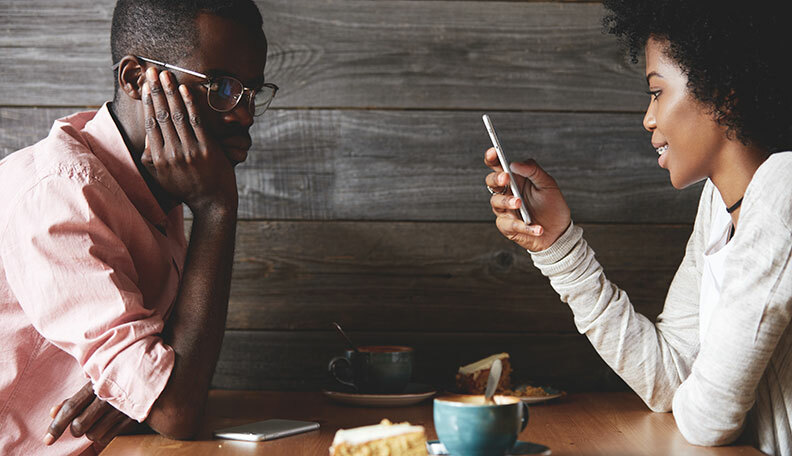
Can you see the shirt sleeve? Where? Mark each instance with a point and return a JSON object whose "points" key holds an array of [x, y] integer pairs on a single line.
{"points": [[653, 358], [753, 313], [68, 267]]}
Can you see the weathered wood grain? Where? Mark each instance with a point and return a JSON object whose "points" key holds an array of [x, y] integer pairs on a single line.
{"points": [[356, 54], [427, 276], [297, 360], [428, 165]]}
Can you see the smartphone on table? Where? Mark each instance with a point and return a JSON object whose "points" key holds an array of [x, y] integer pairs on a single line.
{"points": [[266, 430], [505, 165]]}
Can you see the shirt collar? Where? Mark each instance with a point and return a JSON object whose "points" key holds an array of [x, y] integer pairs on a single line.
{"points": [[108, 145]]}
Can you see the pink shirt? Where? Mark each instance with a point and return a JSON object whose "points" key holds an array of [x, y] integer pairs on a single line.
{"points": [[90, 267]]}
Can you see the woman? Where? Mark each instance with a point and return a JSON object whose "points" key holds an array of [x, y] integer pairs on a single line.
{"points": [[720, 354]]}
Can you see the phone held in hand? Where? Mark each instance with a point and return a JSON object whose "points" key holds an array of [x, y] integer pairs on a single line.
{"points": [[505, 165], [266, 430]]}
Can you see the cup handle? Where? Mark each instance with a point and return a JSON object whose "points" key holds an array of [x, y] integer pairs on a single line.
{"points": [[525, 415], [332, 367]]}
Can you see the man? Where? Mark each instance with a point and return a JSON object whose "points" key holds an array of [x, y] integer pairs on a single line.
{"points": [[98, 282]]}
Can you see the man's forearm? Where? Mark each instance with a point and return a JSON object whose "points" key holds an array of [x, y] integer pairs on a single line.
{"points": [[196, 326]]}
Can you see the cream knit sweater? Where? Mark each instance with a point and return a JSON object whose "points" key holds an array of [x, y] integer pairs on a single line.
{"points": [[740, 376]]}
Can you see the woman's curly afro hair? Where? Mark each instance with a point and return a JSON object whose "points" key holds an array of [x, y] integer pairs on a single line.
{"points": [[734, 53]]}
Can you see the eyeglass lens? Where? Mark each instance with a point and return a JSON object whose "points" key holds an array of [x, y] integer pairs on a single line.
{"points": [[224, 94]]}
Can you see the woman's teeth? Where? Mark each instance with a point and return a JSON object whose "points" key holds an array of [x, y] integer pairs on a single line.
{"points": [[662, 149]]}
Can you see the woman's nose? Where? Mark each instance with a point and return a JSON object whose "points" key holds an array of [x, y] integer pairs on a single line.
{"points": [[649, 120]]}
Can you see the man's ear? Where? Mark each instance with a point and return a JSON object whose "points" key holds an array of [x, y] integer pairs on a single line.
{"points": [[131, 77]]}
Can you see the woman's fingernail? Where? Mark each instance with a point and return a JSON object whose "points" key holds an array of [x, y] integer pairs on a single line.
{"points": [[48, 439]]}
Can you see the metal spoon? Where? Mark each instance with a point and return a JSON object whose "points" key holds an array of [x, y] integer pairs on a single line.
{"points": [[349, 341], [492, 381]]}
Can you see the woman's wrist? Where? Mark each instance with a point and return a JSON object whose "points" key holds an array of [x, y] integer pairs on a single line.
{"points": [[559, 248]]}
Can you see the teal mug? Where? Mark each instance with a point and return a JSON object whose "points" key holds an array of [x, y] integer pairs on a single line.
{"points": [[375, 369], [469, 426]]}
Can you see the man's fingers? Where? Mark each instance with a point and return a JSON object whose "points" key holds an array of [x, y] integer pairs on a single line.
{"points": [[102, 431], [178, 115], [193, 115], [69, 410], [90, 416], [161, 110], [126, 425], [153, 134], [54, 410], [145, 157]]}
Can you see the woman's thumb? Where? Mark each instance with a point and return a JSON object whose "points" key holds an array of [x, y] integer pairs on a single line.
{"points": [[533, 172]]}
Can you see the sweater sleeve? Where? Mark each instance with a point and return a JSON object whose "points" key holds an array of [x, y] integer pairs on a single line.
{"points": [[752, 314], [654, 358]]}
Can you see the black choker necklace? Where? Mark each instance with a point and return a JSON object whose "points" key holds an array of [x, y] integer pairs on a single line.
{"points": [[734, 206]]}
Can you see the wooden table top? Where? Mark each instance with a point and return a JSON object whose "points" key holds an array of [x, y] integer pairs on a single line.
{"points": [[585, 423]]}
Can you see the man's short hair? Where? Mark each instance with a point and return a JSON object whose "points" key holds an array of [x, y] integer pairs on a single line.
{"points": [[165, 30]]}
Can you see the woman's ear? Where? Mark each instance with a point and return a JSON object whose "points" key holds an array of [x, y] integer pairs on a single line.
{"points": [[131, 77]]}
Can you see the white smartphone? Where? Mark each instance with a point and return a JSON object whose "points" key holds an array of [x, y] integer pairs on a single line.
{"points": [[505, 165], [266, 430]]}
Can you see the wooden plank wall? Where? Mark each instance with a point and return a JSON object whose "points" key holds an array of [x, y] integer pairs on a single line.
{"points": [[363, 201]]}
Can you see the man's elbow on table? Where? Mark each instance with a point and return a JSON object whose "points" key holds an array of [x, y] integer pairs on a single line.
{"points": [[173, 422]]}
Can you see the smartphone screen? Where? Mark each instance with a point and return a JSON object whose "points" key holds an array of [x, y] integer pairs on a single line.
{"points": [[266, 430], [505, 165]]}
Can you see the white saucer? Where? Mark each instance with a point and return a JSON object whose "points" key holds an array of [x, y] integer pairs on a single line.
{"points": [[415, 393], [550, 393], [435, 447], [537, 399]]}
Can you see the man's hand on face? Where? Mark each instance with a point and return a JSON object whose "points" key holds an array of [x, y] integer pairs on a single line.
{"points": [[182, 157], [87, 415]]}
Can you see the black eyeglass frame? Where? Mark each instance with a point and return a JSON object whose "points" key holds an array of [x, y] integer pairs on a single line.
{"points": [[208, 85]]}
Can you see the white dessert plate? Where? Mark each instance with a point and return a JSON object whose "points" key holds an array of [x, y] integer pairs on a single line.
{"points": [[414, 393], [550, 393]]}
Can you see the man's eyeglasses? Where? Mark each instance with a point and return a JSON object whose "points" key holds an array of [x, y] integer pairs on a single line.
{"points": [[224, 92]]}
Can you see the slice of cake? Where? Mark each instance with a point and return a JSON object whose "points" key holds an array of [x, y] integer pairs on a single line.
{"points": [[384, 439], [472, 379]]}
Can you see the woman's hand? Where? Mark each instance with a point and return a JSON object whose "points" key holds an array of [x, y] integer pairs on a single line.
{"points": [[543, 199]]}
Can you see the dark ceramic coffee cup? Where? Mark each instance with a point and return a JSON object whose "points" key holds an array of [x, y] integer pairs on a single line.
{"points": [[374, 369], [469, 426]]}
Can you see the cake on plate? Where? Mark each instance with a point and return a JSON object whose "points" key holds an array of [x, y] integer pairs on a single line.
{"points": [[472, 378], [384, 439]]}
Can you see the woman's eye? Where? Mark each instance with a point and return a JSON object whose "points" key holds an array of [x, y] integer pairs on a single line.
{"points": [[653, 93]]}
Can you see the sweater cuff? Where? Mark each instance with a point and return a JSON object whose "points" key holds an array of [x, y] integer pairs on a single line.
{"points": [[560, 248]]}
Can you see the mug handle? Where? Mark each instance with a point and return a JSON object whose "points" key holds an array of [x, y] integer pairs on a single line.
{"points": [[525, 415], [332, 367]]}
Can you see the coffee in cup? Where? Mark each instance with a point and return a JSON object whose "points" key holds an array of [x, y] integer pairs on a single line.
{"points": [[375, 369], [470, 426]]}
